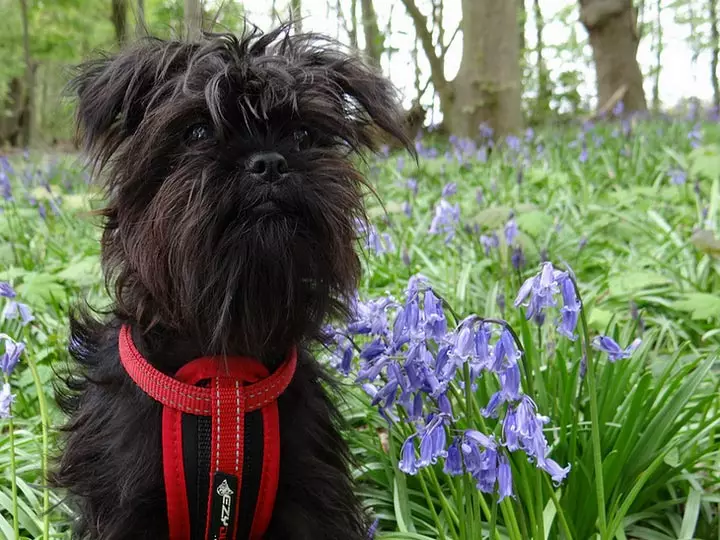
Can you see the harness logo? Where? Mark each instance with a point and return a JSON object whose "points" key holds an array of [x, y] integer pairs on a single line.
{"points": [[226, 493], [222, 510]]}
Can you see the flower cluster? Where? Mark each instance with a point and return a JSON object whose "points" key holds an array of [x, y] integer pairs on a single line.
{"points": [[11, 349], [539, 293], [379, 243], [413, 366], [445, 219]]}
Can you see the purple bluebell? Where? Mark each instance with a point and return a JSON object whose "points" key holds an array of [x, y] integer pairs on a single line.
{"points": [[513, 143], [483, 354], [449, 189], [412, 185], [529, 134], [486, 132], [408, 461], [11, 356], [446, 217], [434, 316], [695, 136], [618, 109], [14, 310], [432, 441], [583, 154], [486, 473], [583, 242], [479, 196], [556, 472], [539, 290], [406, 257], [504, 478], [506, 353], [6, 290], [453, 460], [369, 317], [608, 345], [677, 177], [517, 258], [511, 231], [400, 164], [372, 531], [482, 154], [407, 208], [489, 242], [6, 401]]}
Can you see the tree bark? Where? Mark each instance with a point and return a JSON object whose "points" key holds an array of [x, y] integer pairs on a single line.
{"points": [[193, 19], [374, 42], [612, 27], [522, 21], [487, 86], [296, 15], [544, 93], [658, 57], [27, 105], [140, 25], [715, 36], [119, 20]]}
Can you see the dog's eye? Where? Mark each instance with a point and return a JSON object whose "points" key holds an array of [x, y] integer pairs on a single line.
{"points": [[198, 132], [302, 139]]}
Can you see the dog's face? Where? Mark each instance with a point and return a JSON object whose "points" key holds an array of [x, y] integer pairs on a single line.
{"points": [[232, 192]]}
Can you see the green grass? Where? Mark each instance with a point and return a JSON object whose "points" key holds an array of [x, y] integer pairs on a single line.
{"points": [[645, 253]]}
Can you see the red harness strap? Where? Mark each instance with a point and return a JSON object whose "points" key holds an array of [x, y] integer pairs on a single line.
{"points": [[237, 386]]}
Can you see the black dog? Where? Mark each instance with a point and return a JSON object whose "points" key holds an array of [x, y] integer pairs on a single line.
{"points": [[230, 229]]}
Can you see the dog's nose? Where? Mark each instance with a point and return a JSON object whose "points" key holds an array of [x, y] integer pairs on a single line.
{"points": [[269, 165]]}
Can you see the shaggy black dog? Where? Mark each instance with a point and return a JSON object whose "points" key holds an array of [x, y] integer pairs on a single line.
{"points": [[230, 229]]}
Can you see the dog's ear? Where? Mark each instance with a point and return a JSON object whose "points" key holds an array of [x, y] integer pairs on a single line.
{"points": [[371, 103], [113, 92]]}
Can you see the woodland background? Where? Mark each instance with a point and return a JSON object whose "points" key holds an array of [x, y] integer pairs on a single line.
{"points": [[510, 63]]}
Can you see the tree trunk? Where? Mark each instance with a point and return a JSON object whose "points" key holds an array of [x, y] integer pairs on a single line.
{"points": [[140, 25], [544, 93], [119, 20], [296, 15], [487, 86], [373, 37], [715, 32], [522, 21], [27, 104], [612, 27], [353, 24], [193, 19], [658, 58]]}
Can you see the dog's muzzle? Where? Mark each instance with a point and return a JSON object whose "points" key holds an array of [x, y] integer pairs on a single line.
{"points": [[220, 441]]}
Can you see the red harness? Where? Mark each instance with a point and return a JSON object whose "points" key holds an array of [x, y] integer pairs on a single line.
{"points": [[235, 414]]}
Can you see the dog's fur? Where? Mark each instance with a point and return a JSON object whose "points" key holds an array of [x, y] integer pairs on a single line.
{"points": [[204, 258]]}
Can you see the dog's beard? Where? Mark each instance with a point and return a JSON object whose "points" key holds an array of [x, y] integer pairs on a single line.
{"points": [[238, 264]]}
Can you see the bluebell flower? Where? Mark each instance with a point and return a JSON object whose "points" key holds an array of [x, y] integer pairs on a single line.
{"points": [[483, 356], [506, 354], [482, 154], [412, 185], [556, 472], [486, 473], [486, 132], [509, 392], [407, 208], [449, 189], [11, 355], [446, 217], [434, 316], [408, 462], [583, 154], [529, 134], [695, 136], [369, 317], [618, 109], [513, 143], [517, 258], [489, 242], [6, 290], [432, 441], [677, 177], [500, 301], [540, 289], [608, 345], [6, 400], [372, 531], [14, 309], [511, 231], [504, 478], [453, 460]]}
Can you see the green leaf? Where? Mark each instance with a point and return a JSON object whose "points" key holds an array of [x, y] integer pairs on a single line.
{"points": [[701, 306], [82, 272], [692, 510], [634, 281], [534, 223], [40, 288], [705, 162]]}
